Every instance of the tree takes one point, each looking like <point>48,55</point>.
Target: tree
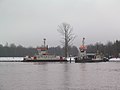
<point>116,47</point>
<point>109,49</point>
<point>12,45</point>
<point>66,31</point>
<point>1,45</point>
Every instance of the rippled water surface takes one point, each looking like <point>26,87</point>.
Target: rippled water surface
<point>59,76</point>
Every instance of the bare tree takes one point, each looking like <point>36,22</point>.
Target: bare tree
<point>66,31</point>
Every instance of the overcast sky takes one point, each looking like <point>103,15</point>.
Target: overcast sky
<point>27,22</point>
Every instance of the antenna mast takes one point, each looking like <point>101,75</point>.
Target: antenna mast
<point>83,42</point>
<point>44,41</point>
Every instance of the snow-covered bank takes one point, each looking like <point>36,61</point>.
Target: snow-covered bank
<point>114,59</point>
<point>11,58</point>
<point>72,59</point>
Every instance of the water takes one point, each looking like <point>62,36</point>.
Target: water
<point>59,76</point>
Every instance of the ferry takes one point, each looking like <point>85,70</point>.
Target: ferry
<point>44,56</point>
<point>83,57</point>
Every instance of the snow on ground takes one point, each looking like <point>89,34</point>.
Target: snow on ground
<point>114,59</point>
<point>72,58</point>
<point>11,58</point>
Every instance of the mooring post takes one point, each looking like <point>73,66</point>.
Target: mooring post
<point>70,59</point>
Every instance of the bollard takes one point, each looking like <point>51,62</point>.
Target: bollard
<point>70,59</point>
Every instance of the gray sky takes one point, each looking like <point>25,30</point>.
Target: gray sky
<point>27,22</point>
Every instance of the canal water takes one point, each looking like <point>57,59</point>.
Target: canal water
<point>59,76</point>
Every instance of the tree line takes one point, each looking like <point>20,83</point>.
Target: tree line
<point>15,51</point>
<point>19,51</point>
<point>110,49</point>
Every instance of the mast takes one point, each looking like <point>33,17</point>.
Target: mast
<point>83,48</point>
<point>83,42</point>
<point>44,42</point>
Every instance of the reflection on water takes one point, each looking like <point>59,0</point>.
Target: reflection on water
<point>59,76</point>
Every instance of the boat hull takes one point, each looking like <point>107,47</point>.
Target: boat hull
<point>89,61</point>
<point>45,60</point>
